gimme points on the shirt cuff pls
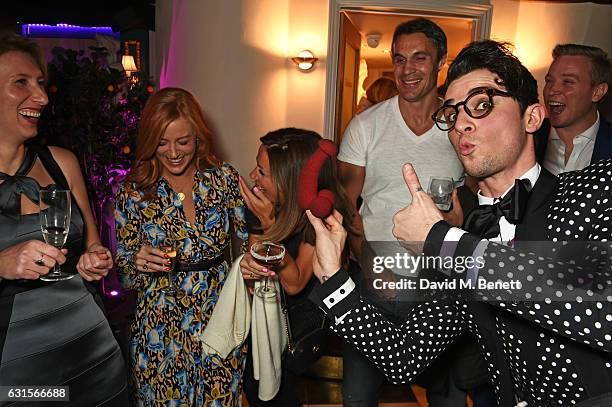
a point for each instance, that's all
(450, 242)
(337, 296)
(472, 273)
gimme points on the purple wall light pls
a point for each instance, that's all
(65, 31)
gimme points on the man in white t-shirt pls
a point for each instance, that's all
(374, 148)
(378, 141)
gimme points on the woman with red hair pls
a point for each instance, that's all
(177, 192)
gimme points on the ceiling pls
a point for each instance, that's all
(458, 33)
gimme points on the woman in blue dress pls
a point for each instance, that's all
(178, 192)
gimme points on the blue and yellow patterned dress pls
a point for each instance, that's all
(167, 363)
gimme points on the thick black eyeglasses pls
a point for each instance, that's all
(477, 105)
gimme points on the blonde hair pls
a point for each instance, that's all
(163, 108)
(10, 41)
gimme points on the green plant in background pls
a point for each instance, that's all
(94, 112)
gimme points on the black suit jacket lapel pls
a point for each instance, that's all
(603, 142)
(533, 226)
(484, 317)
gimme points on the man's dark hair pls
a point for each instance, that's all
(427, 27)
(600, 63)
(496, 57)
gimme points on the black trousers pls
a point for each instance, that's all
(286, 396)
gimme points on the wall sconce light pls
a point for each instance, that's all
(129, 65)
(305, 60)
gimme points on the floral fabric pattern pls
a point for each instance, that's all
(168, 365)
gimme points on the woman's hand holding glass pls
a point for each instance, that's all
(270, 255)
(252, 270)
(29, 260)
(149, 259)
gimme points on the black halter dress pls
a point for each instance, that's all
(53, 333)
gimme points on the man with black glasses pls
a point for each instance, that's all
(547, 342)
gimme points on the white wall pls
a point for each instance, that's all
(536, 27)
(306, 91)
(233, 55)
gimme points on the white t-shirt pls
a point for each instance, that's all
(379, 140)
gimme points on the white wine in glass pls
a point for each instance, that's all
(269, 255)
(171, 252)
(55, 224)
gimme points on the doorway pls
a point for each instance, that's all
(352, 68)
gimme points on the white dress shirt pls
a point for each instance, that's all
(580, 157)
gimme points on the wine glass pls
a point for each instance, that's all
(171, 251)
(55, 224)
(441, 190)
(270, 255)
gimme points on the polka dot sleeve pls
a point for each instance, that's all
(403, 351)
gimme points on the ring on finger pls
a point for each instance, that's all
(40, 262)
(252, 275)
(419, 189)
(145, 266)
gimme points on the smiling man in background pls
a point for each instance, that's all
(574, 135)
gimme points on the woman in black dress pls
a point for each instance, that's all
(274, 208)
(51, 333)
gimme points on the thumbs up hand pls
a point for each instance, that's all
(413, 223)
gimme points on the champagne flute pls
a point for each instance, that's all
(55, 224)
(171, 252)
(270, 255)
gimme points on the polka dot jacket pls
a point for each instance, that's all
(550, 345)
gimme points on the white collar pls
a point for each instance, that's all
(531, 175)
(590, 133)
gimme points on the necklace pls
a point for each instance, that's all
(182, 186)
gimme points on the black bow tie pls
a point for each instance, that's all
(484, 220)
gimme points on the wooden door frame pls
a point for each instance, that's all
(342, 41)
(480, 12)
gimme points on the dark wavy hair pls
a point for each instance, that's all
(288, 150)
(498, 58)
(427, 27)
